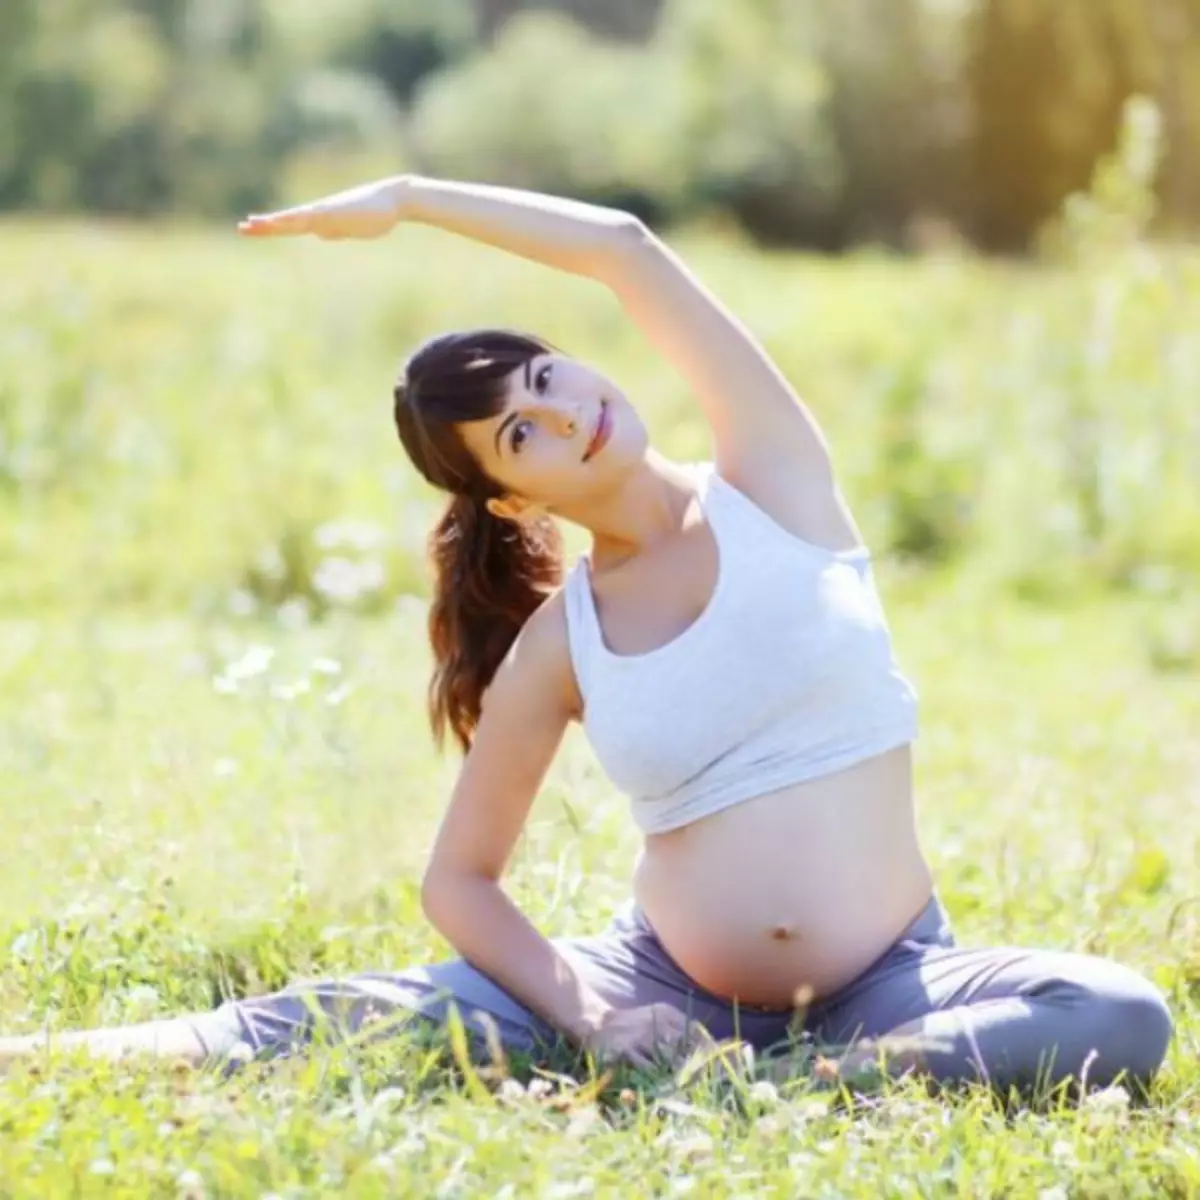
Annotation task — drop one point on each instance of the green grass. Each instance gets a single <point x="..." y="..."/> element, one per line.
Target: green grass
<point x="186" y="426"/>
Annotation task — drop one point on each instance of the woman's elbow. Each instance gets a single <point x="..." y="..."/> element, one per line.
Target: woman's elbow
<point x="434" y="888"/>
<point x="628" y="240"/>
<point x="446" y="892"/>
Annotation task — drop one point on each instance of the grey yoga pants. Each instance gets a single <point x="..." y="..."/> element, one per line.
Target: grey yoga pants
<point x="1008" y="1017"/>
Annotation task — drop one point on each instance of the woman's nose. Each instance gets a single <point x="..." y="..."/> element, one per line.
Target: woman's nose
<point x="566" y="420"/>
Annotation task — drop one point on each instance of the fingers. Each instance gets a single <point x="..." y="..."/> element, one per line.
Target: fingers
<point x="278" y="224"/>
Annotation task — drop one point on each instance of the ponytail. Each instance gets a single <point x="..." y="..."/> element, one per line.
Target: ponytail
<point x="490" y="575"/>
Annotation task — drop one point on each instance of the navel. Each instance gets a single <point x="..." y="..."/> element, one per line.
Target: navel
<point x="783" y="933"/>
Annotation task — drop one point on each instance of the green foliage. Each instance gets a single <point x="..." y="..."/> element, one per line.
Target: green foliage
<point x="170" y="844"/>
<point x="1038" y="424"/>
<point x="215" y="770"/>
<point x="931" y="479"/>
<point x="1048" y="80"/>
<point x="400" y="44"/>
<point x="825" y="123"/>
<point x="125" y="109"/>
<point x="548" y="108"/>
<point x="626" y="20"/>
<point x="754" y="123"/>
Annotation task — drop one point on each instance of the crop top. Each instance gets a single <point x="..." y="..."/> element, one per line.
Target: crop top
<point x="787" y="675"/>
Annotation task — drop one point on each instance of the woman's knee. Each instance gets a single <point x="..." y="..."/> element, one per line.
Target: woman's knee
<point x="1141" y="1023"/>
<point x="1119" y="1020"/>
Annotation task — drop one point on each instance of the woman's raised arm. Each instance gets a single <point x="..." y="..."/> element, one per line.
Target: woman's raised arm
<point x="584" y="239"/>
<point x="767" y="442"/>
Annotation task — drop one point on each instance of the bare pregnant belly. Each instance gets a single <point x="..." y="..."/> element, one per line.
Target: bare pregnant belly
<point x="794" y="893"/>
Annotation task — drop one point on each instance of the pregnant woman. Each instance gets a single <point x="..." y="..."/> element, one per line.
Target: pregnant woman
<point x="724" y="648"/>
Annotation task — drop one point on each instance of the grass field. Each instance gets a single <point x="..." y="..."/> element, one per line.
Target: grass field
<point x="215" y="773"/>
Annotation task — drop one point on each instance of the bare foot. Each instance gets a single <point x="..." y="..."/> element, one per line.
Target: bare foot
<point x="173" y="1040"/>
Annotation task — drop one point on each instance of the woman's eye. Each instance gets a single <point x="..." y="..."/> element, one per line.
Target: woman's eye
<point x="542" y="380"/>
<point x="520" y="432"/>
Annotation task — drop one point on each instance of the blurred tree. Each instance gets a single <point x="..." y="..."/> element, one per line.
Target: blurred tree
<point x="18" y="29"/>
<point x="626" y="20"/>
<point x="755" y="121"/>
<point x="1175" y="26"/>
<point x="137" y="107"/>
<point x="820" y="122"/>
<point x="548" y="108"/>
<point x="896" y="110"/>
<point x="400" y="42"/>
<point x="1049" y="80"/>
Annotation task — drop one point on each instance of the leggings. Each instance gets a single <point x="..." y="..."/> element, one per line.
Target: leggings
<point x="1005" y="1017"/>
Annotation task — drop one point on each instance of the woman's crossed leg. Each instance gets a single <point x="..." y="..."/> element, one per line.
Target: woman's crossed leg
<point x="1007" y="1017"/>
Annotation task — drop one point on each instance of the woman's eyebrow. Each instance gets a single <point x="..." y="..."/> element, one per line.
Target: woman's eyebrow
<point x="512" y="416"/>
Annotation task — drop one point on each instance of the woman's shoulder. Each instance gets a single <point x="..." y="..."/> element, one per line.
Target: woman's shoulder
<point x="541" y="655"/>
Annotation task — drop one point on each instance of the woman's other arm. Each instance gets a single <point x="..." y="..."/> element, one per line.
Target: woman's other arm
<point x="525" y="714"/>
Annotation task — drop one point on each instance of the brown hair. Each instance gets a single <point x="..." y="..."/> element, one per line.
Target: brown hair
<point x="490" y="574"/>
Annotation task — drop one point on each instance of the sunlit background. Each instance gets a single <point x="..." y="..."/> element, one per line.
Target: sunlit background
<point x="811" y="122"/>
<point x="963" y="229"/>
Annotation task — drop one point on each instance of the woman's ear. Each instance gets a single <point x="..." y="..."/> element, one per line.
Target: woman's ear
<point x="512" y="508"/>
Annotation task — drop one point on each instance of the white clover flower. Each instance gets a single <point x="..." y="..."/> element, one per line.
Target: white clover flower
<point x="293" y="613"/>
<point x="358" y="535"/>
<point x="582" y="1120"/>
<point x="240" y="603"/>
<point x="1109" y="1106"/>
<point x="326" y="666"/>
<point x="573" y="1187"/>
<point x="341" y="580"/>
<point x="270" y="563"/>
<point x="372" y="575"/>
<point x="696" y="1145"/>
<point x="142" y="995"/>
<point x="1109" y="1099"/>
<point x="255" y="661"/>
<point x="224" y="768"/>
<point x="290" y="691"/>
<point x="336" y="579"/>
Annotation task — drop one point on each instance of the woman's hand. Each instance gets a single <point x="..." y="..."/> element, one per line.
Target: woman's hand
<point x="646" y="1036"/>
<point x="368" y="211"/>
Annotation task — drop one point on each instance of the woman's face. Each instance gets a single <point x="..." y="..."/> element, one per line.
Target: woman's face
<point x="566" y="435"/>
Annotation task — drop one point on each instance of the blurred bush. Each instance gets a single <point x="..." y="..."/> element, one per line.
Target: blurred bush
<point x="549" y="108"/>
<point x="1047" y="81"/>
<point x="753" y="106"/>
<point x="227" y="446"/>
<point x="815" y="122"/>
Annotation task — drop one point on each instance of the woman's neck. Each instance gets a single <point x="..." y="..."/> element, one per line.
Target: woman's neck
<point x="646" y="509"/>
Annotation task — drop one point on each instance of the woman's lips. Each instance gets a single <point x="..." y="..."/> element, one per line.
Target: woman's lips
<point x="603" y="429"/>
